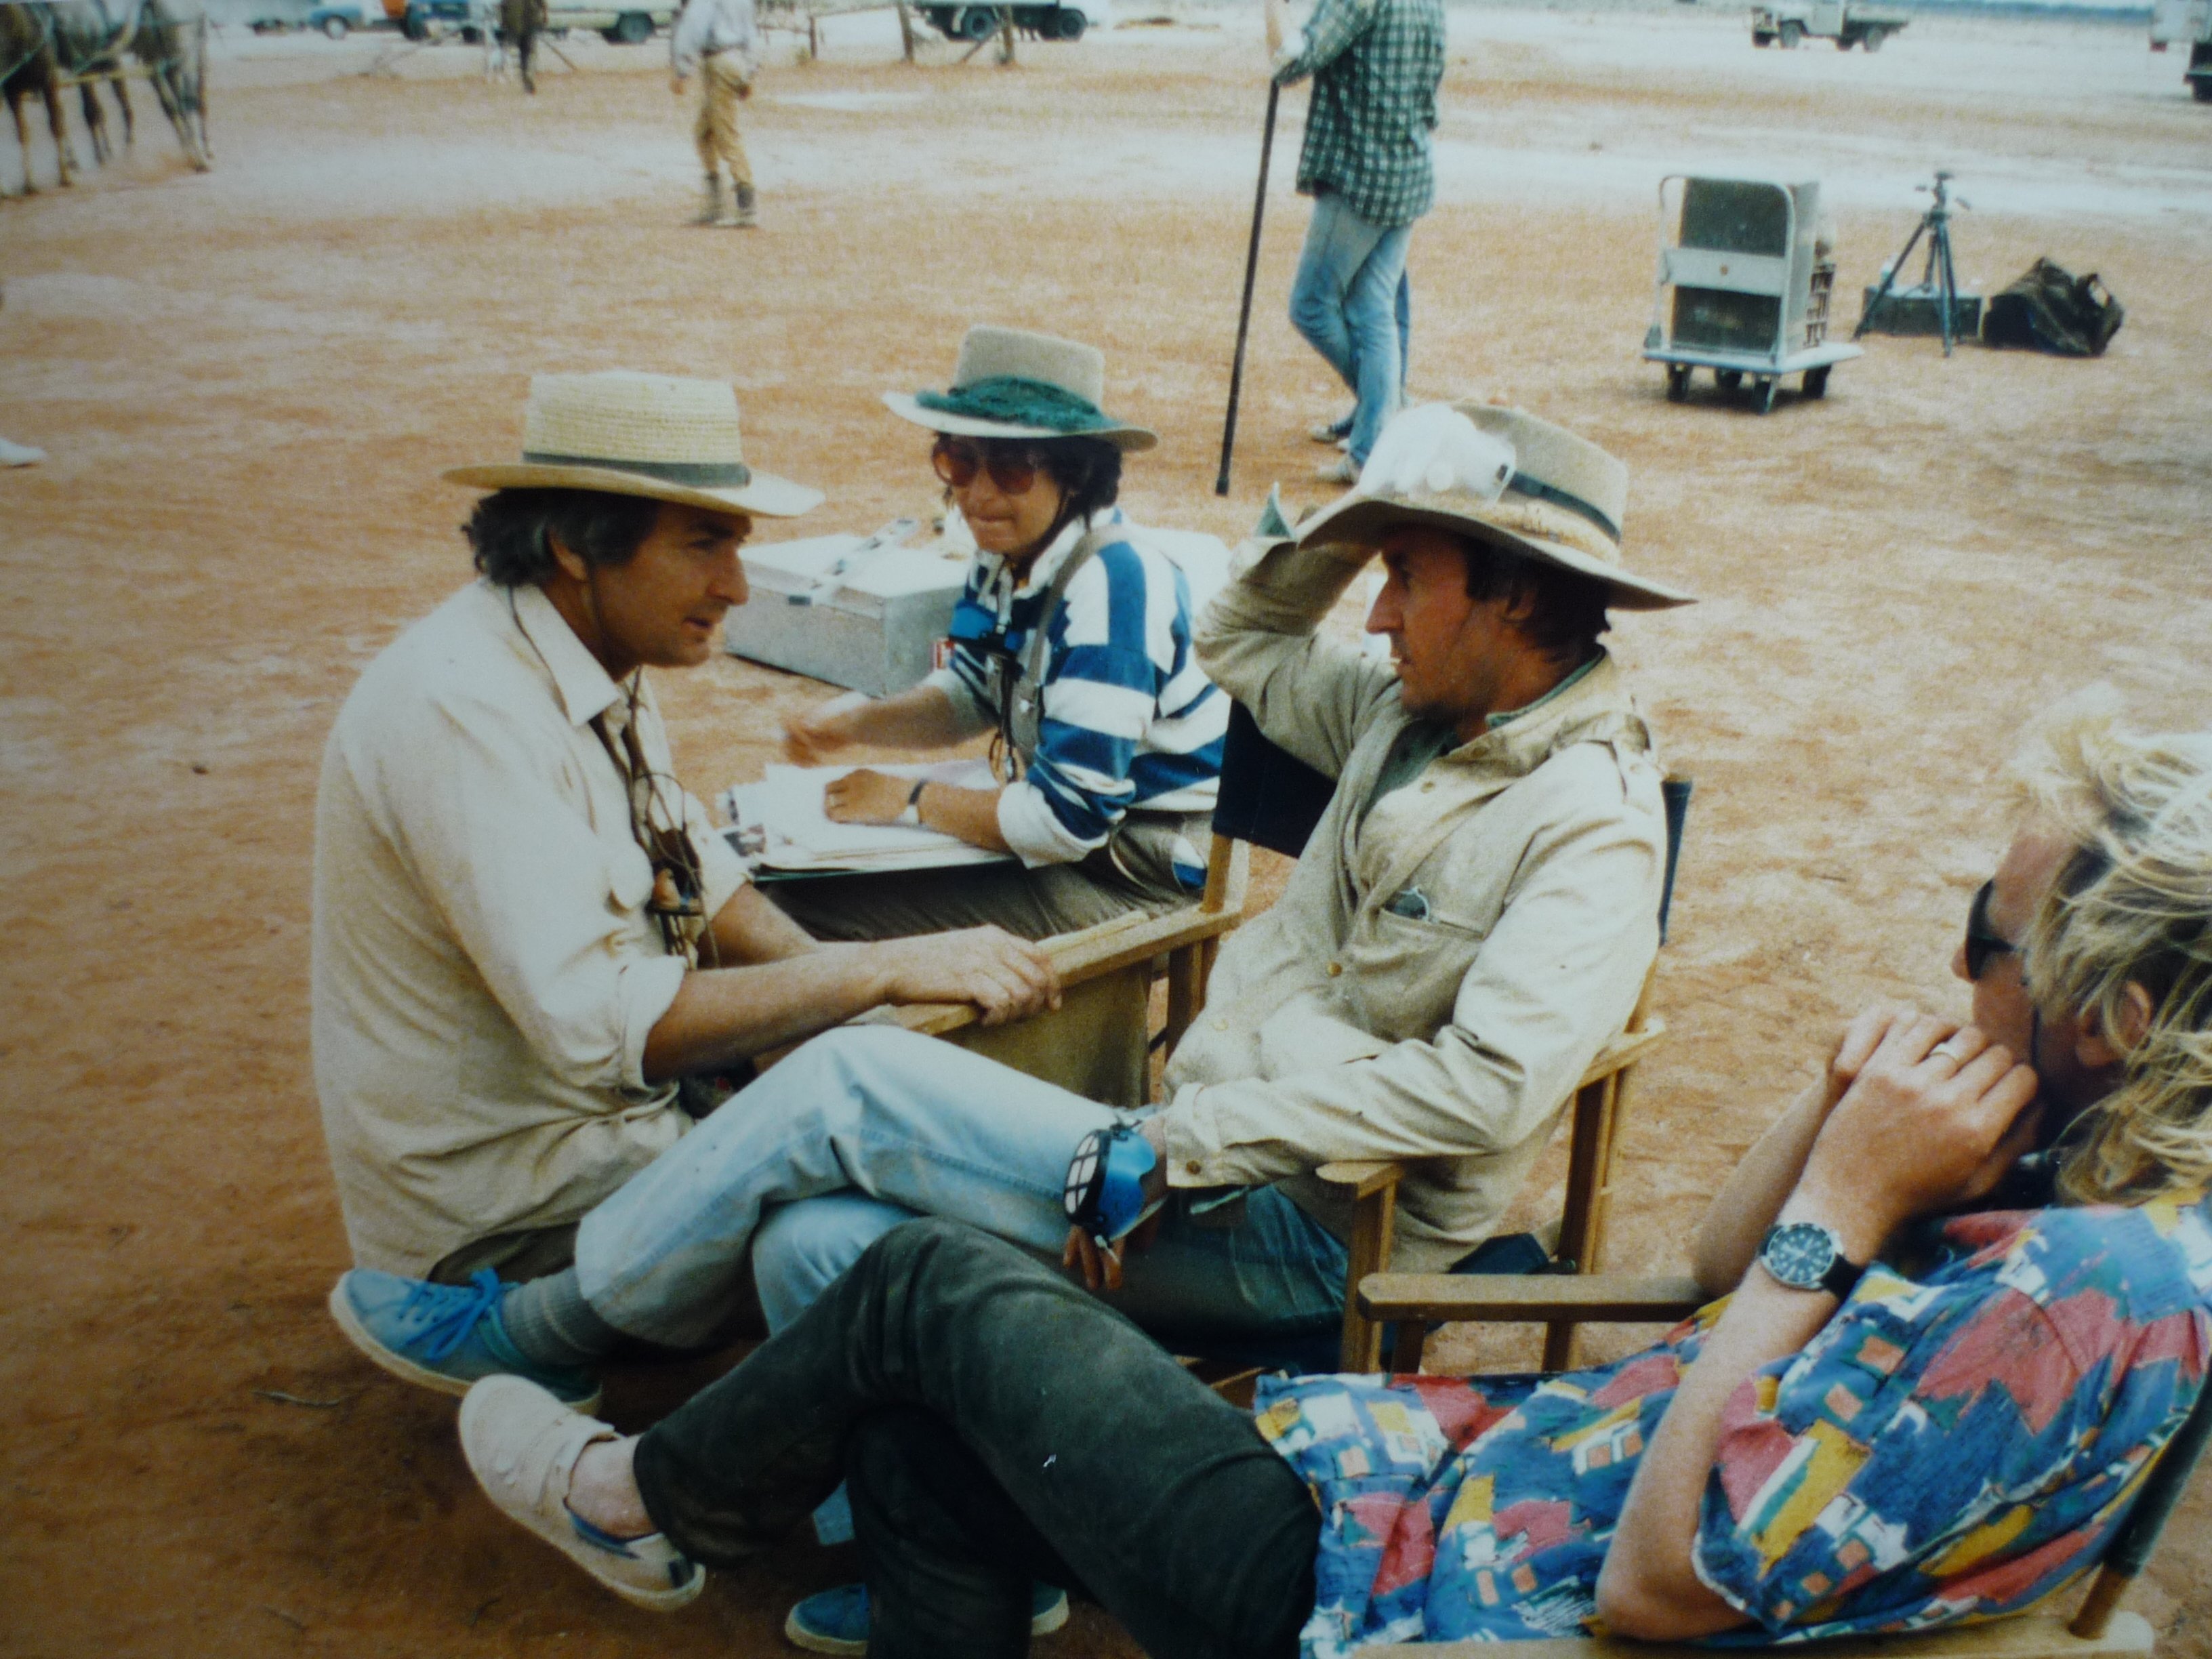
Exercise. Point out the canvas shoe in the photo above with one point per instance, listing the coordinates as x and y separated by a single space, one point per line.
837 1621
444 1336
13 454
1337 432
1341 470
522 1445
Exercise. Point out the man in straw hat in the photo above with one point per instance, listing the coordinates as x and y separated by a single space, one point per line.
1945 1363
1471 921
1072 643
526 933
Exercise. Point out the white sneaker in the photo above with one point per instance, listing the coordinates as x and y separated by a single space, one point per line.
1337 432
19 454
522 1445
1341 470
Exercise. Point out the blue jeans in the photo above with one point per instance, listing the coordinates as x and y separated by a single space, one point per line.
871 1126
1351 300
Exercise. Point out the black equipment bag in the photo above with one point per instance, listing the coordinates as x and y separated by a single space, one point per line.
2050 309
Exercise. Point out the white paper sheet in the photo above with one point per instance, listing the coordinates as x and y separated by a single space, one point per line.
794 833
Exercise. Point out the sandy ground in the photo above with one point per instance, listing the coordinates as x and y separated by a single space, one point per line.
248 381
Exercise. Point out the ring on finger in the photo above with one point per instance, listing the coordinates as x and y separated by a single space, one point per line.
1947 1049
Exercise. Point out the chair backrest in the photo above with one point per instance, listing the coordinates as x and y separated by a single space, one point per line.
1268 796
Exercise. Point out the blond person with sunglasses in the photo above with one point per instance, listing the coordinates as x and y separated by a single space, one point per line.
1071 644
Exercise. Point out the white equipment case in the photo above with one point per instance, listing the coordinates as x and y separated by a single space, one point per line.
864 612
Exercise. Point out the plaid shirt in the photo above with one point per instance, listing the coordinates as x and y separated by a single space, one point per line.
1375 65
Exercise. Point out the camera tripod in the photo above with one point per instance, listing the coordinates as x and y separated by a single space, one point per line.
1939 277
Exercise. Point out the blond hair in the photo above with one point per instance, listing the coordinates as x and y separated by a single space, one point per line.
2131 905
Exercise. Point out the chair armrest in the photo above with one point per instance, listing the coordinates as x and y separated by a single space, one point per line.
1528 1298
1361 1178
1625 1050
1090 953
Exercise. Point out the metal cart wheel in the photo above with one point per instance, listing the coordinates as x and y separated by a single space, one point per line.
1816 382
1727 379
1678 382
1765 394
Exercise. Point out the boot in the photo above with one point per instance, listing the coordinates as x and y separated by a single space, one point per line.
710 211
746 217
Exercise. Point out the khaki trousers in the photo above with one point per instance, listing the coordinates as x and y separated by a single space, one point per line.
716 130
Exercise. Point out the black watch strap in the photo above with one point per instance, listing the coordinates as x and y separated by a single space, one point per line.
1794 1253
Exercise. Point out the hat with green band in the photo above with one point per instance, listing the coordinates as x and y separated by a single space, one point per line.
1010 383
658 436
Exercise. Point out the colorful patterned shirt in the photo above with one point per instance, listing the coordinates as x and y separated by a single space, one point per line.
1130 722
1375 66
1949 1447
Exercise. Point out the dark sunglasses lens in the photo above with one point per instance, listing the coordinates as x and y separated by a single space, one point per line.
1013 474
955 462
1981 943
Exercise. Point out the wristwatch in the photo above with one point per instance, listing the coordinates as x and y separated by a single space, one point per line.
913 812
1804 1255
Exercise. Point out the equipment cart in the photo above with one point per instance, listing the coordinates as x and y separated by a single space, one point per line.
1744 280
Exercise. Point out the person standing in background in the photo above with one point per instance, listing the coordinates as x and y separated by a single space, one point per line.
520 21
722 38
1375 66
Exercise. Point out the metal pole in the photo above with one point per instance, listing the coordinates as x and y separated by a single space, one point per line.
1251 276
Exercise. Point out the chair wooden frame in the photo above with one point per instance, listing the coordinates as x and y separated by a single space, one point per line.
2097 1627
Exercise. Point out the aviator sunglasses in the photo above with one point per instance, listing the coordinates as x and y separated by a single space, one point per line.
1983 941
958 462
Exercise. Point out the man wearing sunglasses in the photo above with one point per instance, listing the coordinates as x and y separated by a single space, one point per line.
1929 1396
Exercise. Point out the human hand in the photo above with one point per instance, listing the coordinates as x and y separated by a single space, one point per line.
865 796
1934 1117
744 89
813 737
1856 1046
676 85
1006 978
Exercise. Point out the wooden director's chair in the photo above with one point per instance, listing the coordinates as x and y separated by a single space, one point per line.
2098 1627
1097 1043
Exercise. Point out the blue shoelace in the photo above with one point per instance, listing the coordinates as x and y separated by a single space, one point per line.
453 1312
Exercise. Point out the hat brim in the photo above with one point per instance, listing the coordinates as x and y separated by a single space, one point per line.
1367 518
766 497
1127 439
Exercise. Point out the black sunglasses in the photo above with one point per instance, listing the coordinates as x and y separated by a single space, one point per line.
1012 468
1983 941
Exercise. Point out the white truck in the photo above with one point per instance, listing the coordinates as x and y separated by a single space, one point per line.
2186 23
1047 20
1785 23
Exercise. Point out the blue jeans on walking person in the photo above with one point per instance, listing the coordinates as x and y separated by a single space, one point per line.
1351 301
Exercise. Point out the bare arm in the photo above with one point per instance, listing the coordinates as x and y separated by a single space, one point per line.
1277 16
870 796
722 1015
750 929
1916 1133
921 717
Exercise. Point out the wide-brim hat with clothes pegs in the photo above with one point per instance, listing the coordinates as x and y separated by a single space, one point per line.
1010 383
1503 477
659 436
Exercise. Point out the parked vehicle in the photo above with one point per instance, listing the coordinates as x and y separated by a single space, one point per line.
1058 19
628 23
1785 23
339 19
2186 23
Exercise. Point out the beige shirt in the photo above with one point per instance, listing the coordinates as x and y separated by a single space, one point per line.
485 970
1434 980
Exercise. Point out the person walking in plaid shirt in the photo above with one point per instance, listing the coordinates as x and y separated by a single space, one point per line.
1366 162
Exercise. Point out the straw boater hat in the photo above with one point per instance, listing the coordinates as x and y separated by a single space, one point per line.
1503 477
654 435
1010 383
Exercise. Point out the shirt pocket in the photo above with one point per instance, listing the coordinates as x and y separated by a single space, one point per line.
1409 968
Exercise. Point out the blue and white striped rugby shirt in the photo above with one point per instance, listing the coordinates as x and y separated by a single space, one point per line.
1130 722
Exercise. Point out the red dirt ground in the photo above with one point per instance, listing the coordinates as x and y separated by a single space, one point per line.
249 381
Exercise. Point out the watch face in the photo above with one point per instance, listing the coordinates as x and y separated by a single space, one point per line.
1799 1254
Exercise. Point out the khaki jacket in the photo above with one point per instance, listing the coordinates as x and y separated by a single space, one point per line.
1336 1027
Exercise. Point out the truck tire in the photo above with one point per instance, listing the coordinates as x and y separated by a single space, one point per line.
1070 24
978 23
2200 88
1791 34
1762 39
632 28
413 26
1874 38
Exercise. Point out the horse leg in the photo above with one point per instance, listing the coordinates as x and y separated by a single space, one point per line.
95 121
121 85
65 161
22 137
